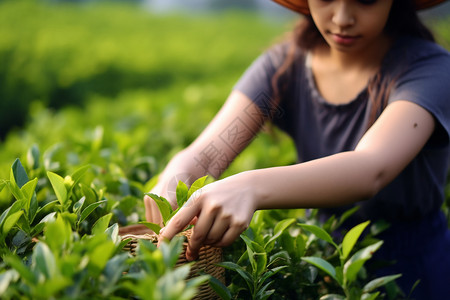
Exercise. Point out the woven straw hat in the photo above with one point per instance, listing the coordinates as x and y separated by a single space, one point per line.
301 6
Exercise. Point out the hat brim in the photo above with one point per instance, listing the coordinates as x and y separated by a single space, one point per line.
301 6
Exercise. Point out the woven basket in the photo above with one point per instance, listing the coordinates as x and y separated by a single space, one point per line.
206 262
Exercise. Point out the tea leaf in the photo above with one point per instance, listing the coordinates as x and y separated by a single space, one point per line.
321 264
89 209
354 264
28 191
164 207
58 186
33 157
378 282
152 226
199 183
279 229
11 221
221 290
19 173
320 233
58 233
17 264
2 184
100 255
332 297
351 237
101 224
271 272
370 296
6 278
78 205
44 260
77 175
182 193
235 267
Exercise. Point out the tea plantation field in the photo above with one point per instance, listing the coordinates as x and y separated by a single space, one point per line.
94 101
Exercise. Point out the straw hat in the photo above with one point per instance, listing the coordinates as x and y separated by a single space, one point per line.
301 6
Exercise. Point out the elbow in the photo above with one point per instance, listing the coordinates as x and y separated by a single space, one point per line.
377 182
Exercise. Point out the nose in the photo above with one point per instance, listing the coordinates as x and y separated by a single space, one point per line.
343 16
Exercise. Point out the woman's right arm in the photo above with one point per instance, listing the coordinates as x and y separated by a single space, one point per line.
231 130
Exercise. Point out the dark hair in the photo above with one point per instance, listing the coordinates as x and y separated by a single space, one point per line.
402 20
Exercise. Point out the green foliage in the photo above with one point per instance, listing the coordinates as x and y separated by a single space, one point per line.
48 255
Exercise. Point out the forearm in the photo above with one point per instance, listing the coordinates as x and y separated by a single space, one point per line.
332 181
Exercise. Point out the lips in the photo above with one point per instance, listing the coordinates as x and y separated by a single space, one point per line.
344 39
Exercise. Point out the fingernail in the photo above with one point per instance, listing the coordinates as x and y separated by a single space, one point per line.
162 230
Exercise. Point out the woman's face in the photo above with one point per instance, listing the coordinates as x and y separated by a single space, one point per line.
351 25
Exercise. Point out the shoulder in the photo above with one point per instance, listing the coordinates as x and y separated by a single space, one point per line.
278 53
412 50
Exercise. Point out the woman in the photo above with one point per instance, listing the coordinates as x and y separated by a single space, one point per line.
363 91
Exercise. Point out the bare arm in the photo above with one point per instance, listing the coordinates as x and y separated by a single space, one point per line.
234 126
224 208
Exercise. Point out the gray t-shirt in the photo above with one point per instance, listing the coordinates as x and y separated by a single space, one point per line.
421 71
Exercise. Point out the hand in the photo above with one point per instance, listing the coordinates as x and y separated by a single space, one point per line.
223 210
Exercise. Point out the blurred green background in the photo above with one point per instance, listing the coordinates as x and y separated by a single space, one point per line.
122 83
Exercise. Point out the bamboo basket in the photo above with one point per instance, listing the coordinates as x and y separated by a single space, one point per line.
206 262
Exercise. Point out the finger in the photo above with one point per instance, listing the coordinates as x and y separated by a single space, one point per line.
217 230
204 222
179 222
231 235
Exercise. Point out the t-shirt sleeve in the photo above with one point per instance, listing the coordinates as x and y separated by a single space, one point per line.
256 82
426 82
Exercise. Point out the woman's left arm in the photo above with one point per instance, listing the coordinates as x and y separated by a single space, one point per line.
225 208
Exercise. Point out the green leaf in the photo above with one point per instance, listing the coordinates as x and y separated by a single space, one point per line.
351 237
78 205
44 260
100 255
101 224
33 157
6 278
89 209
221 290
171 251
58 186
11 221
378 282
28 191
58 233
238 269
152 226
347 214
182 193
319 232
2 184
199 183
77 175
20 175
271 272
332 297
279 229
164 206
321 264
370 296
17 264
354 264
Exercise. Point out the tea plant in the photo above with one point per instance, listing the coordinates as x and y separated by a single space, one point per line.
46 253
